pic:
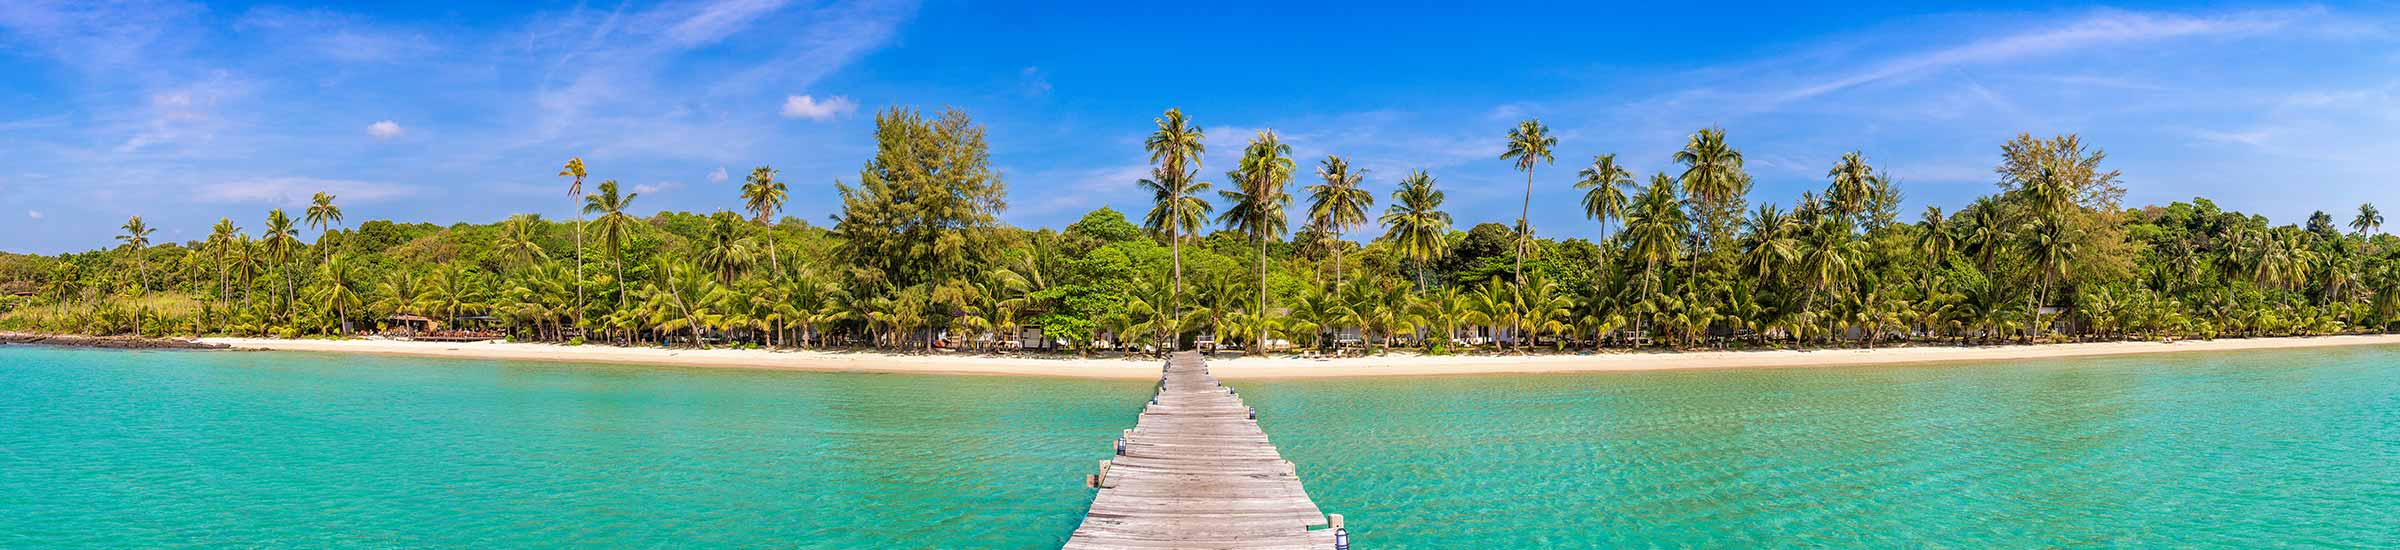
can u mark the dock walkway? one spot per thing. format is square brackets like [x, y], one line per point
[1196, 472]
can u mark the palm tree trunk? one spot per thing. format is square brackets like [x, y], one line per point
[291, 291]
[1649, 286]
[1337, 261]
[2040, 296]
[141, 268]
[578, 256]
[772, 262]
[1175, 293]
[1261, 318]
[620, 280]
[1524, 225]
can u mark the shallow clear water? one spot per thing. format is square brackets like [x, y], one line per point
[136, 449]
[144, 449]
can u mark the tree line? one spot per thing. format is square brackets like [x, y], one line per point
[917, 258]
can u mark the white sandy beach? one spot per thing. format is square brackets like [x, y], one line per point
[1229, 366]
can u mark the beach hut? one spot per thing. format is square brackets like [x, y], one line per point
[408, 324]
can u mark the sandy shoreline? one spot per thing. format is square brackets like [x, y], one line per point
[1227, 366]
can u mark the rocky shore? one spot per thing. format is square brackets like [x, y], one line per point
[104, 342]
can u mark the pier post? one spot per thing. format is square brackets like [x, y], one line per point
[1341, 536]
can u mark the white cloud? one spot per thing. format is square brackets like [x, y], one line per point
[802, 106]
[717, 176]
[384, 130]
[649, 188]
[35, 214]
[295, 191]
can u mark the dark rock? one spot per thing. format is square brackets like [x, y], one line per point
[103, 342]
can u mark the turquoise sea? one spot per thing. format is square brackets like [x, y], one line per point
[118, 449]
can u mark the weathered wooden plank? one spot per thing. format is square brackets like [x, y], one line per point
[1197, 472]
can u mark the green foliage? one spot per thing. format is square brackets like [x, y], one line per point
[917, 256]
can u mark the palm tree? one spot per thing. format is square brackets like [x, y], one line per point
[574, 169]
[517, 240]
[1176, 147]
[220, 243]
[400, 292]
[2054, 248]
[1712, 176]
[1934, 237]
[614, 223]
[338, 292]
[245, 263]
[322, 214]
[1986, 231]
[137, 238]
[1934, 240]
[281, 238]
[1495, 306]
[2368, 221]
[1338, 204]
[763, 196]
[724, 250]
[1257, 206]
[1416, 224]
[1770, 245]
[1528, 144]
[451, 289]
[1178, 210]
[62, 282]
[1445, 308]
[1605, 199]
[1542, 307]
[1853, 181]
[1655, 229]
[1826, 260]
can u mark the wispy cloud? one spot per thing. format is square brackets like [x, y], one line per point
[1033, 82]
[2253, 138]
[1847, 66]
[185, 113]
[700, 23]
[336, 36]
[98, 37]
[1070, 192]
[295, 191]
[2100, 29]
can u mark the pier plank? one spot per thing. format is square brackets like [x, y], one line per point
[1197, 472]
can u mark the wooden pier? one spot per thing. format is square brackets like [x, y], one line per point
[1196, 472]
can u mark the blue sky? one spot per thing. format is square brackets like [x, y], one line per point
[183, 113]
